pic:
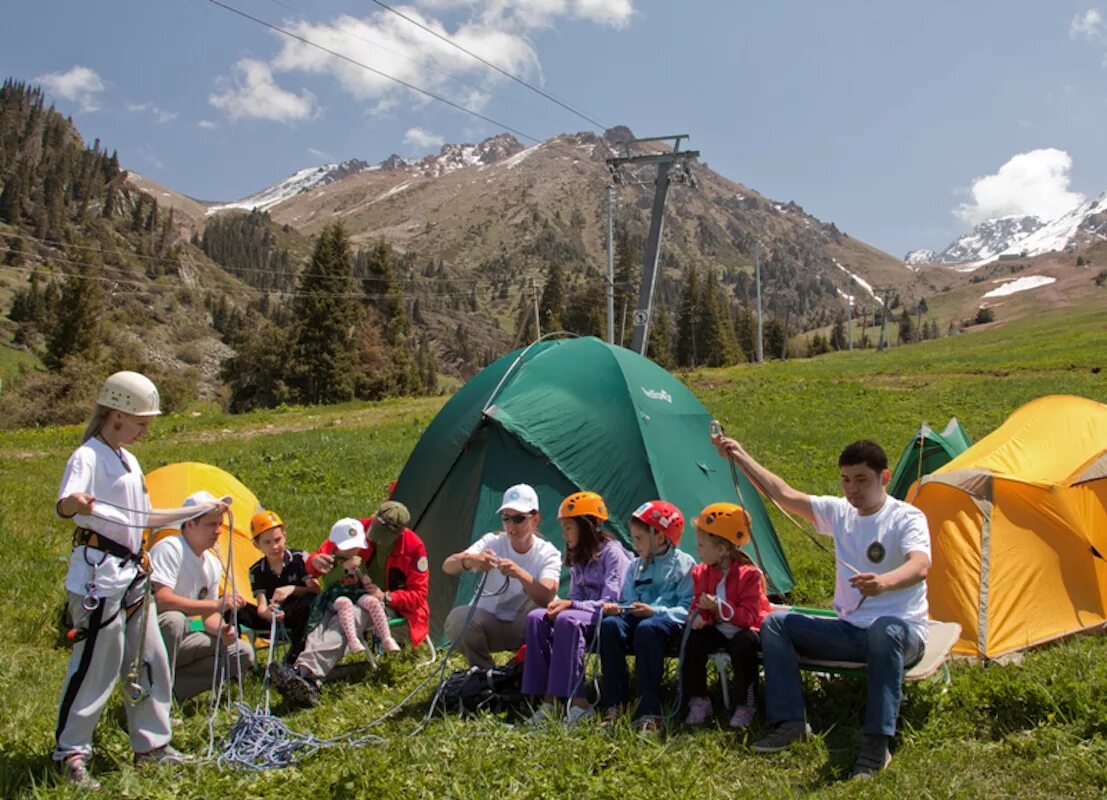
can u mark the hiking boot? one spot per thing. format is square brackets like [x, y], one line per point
[74, 770]
[390, 645]
[649, 725]
[743, 716]
[165, 755]
[782, 737]
[294, 686]
[578, 714]
[545, 713]
[699, 711]
[872, 757]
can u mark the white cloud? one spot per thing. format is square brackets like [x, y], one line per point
[393, 46]
[160, 115]
[320, 154]
[207, 125]
[1088, 25]
[256, 95]
[542, 13]
[1035, 183]
[422, 139]
[78, 84]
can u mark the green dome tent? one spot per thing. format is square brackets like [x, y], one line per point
[926, 452]
[562, 416]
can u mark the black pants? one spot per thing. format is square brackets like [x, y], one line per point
[742, 647]
[297, 609]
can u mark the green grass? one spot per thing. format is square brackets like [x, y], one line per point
[1033, 730]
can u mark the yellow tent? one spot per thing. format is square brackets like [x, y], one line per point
[170, 485]
[1019, 529]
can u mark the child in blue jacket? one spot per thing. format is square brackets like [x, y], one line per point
[657, 593]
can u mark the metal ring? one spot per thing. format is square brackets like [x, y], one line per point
[90, 602]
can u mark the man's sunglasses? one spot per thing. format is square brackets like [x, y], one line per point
[516, 518]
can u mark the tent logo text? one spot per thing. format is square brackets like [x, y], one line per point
[655, 394]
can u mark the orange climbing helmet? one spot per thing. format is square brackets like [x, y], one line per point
[727, 521]
[581, 504]
[264, 521]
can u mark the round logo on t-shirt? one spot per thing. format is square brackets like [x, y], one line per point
[203, 593]
[875, 553]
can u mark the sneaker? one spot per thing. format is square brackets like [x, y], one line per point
[74, 770]
[356, 646]
[649, 725]
[872, 757]
[165, 754]
[611, 716]
[296, 687]
[390, 645]
[743, 716]
[545, 713]
[782, 737]
[699, 711]
[578, 714]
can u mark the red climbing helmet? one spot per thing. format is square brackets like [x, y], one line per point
[663, 517]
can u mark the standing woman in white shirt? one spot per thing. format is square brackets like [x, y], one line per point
[104, 492]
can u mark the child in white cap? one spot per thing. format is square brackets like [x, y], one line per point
[346, 584]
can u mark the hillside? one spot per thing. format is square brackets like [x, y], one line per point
[1029, 730]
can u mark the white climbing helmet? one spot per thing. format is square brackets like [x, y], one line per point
[131, 393]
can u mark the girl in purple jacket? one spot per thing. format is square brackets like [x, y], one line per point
[558, 635]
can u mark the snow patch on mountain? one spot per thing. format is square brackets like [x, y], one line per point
[1019, 285]
[864, 284]
[294, 184]
[984, 243]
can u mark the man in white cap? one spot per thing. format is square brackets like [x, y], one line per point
[529, 566]
[186, 575]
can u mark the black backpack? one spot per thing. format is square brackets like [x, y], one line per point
[497, 690]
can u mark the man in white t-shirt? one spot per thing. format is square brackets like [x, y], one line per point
[186, 574]
[524, 571]
[882, 554]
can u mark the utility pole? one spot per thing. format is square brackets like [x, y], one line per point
[849, 313]
[884, 323]
[610, 292]
[757, 283]
[537, 321]
[664, 161]
[918, 321]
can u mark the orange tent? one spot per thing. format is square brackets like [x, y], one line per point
[1019, 529]
[170, 485]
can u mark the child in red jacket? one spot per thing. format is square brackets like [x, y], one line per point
[729, 593]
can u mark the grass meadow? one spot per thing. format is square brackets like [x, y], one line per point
[1036, 729]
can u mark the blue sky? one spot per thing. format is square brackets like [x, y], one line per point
[903, 123]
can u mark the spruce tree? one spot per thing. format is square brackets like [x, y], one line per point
[715, 345]
[325, 313]
[76, 330]
[626, 279]
[660, 348]
[687, 321]
[551, 307]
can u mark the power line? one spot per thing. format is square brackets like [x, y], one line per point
[374, 70]
[487, 63]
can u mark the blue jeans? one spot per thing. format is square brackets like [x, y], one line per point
[886, 647]
[648, 638]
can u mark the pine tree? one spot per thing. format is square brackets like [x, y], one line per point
[551, 307]
[686, 337]
[745, 331]
[715, 343]
[774, 336]
[585, 311]
[838, 335]
[660, 348]
[906, 328]
[626, 280]
[76, 330]
[325, 313]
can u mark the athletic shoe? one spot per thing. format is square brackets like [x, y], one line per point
[390, 645]
[74, 770]
[699, 711]
[743, 716]
[578, 714]
[545, 713]
[611, 716]
[782, 737]
[649, 725]
[356, 646]
[872, 757]
[166, 755]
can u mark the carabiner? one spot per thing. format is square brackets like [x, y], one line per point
[135, 692]
[90, 602]
[715, 428]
